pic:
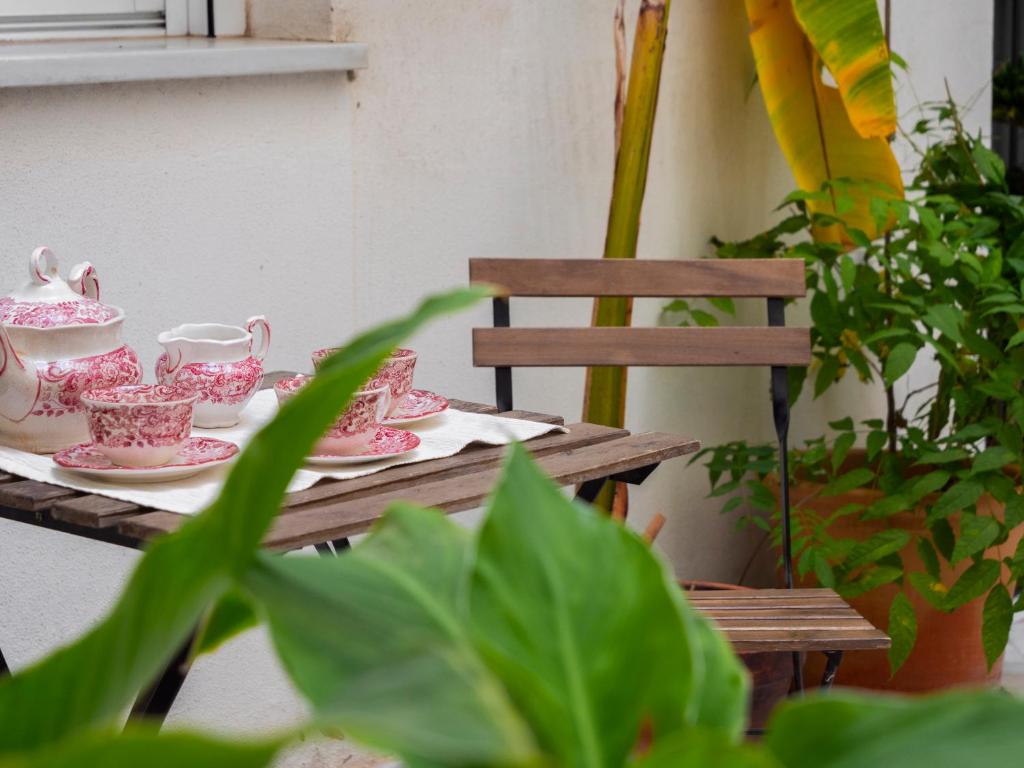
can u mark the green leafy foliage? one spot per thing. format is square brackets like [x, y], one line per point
[946, 284]
[511, 634]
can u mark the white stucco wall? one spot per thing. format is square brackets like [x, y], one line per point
[480, 129]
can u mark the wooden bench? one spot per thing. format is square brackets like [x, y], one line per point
[769, 620]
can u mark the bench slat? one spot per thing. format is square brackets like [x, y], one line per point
[781, 640]
[750, 278]
[573, 347]
[31, 496]
[93, 511]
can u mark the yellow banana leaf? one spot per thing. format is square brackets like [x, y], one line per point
[848, 36]
[605, 392]
[811, 122]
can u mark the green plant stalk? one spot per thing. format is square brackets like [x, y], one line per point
[604, 399]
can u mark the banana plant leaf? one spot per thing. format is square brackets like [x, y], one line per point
[810, 118]
[848, 36]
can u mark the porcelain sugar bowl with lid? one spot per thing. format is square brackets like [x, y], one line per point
[57, 340]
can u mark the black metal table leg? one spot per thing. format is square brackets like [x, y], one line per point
[155, 703]
[590, 489]
[832, 661]
[4, 669]
[336, 547]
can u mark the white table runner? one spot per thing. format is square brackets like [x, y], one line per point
[442, 436]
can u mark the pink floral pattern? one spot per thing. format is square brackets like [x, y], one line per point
[62, 382]
[396, 373]
[196, 452]
[364, 412]
[139, 416]
[219, 383]
[418, 404]
[37, 314]
[140, 426]
[387, 442]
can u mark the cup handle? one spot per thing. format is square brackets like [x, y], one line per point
[259, 351]
[83, 279]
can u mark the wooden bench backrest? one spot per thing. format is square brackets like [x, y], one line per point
[772, 279]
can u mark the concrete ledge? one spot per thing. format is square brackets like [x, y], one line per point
[118, 61]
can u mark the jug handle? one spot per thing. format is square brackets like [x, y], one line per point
[84, 280]
[163, 363]
[258, 321]
[43, 265]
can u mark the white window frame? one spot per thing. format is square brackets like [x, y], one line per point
[66, 19]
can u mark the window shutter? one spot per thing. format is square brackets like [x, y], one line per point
[48, 19]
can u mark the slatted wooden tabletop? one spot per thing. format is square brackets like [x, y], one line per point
[333, 509]
[788, 620]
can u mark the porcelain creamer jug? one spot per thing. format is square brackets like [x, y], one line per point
[56, 341]
[222, 363]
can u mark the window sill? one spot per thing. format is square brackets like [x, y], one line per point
[118, 61]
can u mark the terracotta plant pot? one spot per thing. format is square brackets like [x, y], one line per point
[771, 673]
[948, 652]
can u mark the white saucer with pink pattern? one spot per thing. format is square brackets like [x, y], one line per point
[418, 405]
[196, 455]
[386, 444]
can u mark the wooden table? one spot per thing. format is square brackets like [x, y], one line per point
[326, 514]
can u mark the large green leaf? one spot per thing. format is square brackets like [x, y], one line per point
[138, 749]
[182, 574]
[375, 641]
[849, 731]
[703, 748]
[558, 592]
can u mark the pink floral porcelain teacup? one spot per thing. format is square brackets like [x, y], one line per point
[396, 373]
[139, 425]
[356, 427]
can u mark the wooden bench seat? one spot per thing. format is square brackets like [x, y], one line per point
[758, 621]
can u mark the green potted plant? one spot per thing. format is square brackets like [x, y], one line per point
[913, 515]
